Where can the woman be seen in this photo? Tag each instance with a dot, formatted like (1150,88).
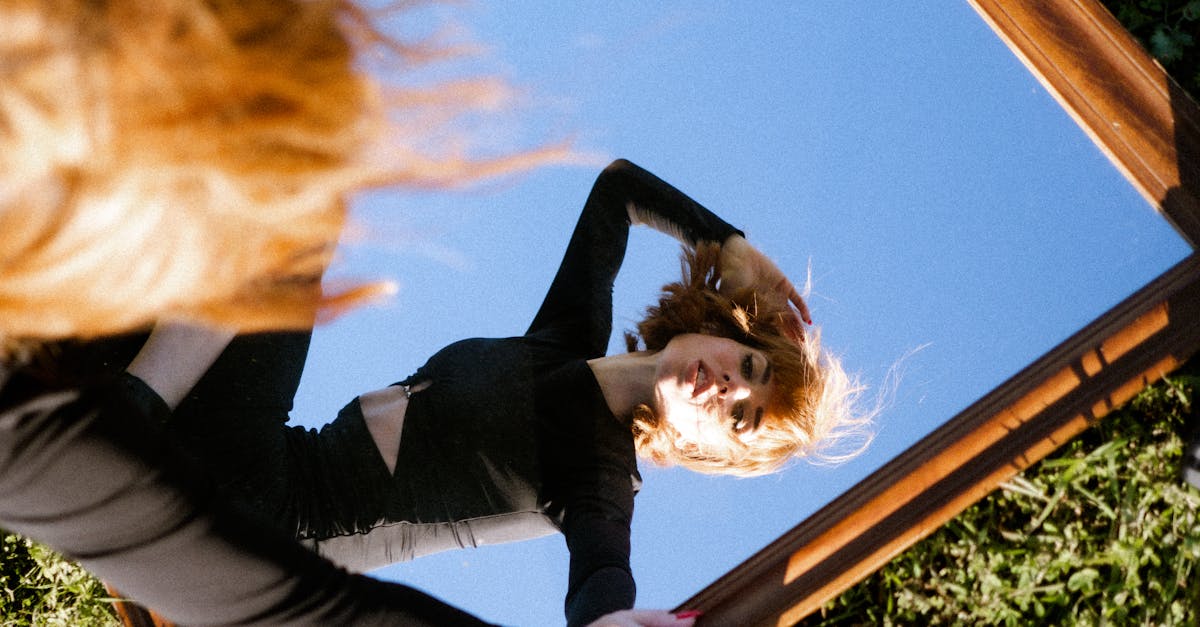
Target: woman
(495,440)
(187,160)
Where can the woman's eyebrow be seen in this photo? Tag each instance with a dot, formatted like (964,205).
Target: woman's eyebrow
(766,376)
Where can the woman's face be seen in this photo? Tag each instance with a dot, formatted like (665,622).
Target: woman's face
(710,387)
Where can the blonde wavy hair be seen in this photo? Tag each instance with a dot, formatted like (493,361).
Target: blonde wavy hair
(813,409)
(193,159)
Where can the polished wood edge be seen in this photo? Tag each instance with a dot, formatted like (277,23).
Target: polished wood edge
(132,613)
(1146,124)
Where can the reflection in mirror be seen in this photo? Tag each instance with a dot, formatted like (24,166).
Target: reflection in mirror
(942,199)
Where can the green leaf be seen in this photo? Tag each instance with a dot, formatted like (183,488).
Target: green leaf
(1192,10)
(1167,45)
(1083,580)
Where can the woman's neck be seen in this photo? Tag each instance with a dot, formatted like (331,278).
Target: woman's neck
(626,379)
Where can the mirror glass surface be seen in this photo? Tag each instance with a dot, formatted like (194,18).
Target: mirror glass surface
(957,224)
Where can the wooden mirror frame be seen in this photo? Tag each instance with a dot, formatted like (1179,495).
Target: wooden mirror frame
(1150,129)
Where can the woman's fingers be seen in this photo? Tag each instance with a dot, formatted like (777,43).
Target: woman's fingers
(646,618)
(788,298)
(798,301)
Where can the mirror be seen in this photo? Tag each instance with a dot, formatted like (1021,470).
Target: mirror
(945,201)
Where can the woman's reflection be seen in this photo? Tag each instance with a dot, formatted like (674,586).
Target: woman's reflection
(496,440)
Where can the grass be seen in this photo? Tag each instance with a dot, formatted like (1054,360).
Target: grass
(40,588)
(1103,531)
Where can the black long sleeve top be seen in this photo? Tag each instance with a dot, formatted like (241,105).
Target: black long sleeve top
(513,438)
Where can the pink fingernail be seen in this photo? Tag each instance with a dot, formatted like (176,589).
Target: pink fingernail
(689,614)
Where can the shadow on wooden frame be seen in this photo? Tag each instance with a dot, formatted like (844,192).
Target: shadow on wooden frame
(1150,129)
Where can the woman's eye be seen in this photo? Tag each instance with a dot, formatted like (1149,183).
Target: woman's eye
(741,424)
(748,367)
(739,417)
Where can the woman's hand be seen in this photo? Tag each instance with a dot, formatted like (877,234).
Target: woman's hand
(645,618)
(743,266)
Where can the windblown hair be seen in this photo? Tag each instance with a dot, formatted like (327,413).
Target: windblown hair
(193,159)
(812,407)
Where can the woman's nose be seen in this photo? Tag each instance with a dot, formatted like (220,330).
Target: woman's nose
(733,388)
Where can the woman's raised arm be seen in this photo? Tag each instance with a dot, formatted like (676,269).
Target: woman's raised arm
(623,194)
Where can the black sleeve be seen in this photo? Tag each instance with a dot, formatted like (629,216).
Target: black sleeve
(600,580)
(597,482)
(85,473)
(595,472)
(579,301)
